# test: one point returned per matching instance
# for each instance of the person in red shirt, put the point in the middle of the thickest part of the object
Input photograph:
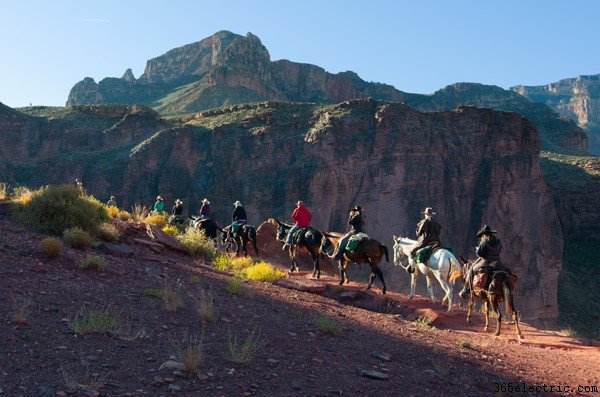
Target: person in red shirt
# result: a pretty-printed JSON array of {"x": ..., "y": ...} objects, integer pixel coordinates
[{"x": 301, "y": 216}]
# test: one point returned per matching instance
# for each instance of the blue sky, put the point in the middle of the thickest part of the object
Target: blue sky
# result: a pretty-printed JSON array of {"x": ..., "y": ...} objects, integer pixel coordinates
[{"x": 418, "y": 46}]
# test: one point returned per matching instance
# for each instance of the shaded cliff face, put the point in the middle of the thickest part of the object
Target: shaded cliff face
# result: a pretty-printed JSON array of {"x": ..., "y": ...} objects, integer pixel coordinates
[
  {"x": 577, "y": 98},
  {"x": 472, "y": 165},
  {"x": 557, "y": 134},
  {"x": 225, "y": 69}
]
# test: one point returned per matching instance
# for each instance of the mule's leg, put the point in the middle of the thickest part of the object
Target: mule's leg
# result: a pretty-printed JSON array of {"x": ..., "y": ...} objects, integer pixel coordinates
[
  {"x": 496, "y": 310},
  {"x": 371, "y": 279},
  {"x": 380, "y": 275},
  {"x": 316, "y": 269},
  {"x": 413, "y": 284},
  {"x": 516, "y": 317},
  {"x": 342, "y": 271},
  {"x": 487, "y": 315},
  {"x": 447, "y": 287},
  {"x": 430, "y": 288},
  {"x": 470, "y": 306}
]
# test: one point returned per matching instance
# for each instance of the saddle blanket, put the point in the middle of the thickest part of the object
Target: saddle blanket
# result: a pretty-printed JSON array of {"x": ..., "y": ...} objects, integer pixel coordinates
[
  {"x": 354, "y": 240},
  {"x": 422, "y": 255}
]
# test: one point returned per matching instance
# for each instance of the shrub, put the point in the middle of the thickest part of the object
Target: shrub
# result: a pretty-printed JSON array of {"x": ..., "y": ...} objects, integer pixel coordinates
[
  {"x": 235, "y": 286},
  {"x": 205, "y": 305},
  {"x": 238, "y": 265},
  {"x": 159, "y": 220},
  {"x": 77, "y": 238},
  {"x": 109, "y": 231},
  {"x": 51, "y": 247},
  {"x": 264, "y": 271},
  {"x": 124, "y": 216},
  {"x": 3, "y": 191},
  {"x": 242, "y": 352},
  {"x": 139, "y": 212},
  {"x": 189, "y": 352},
  {"x": 92, "y": 262},
  {"x": 22, "y": 195},
  {"x": 172, "y": 300},
  {"x": 327, "y": 325},
  {"x": 21, "y": 310},
  {"x": 423, "y": 321},
  {"x": 113, "y": 212},
  {"x": 196, "y": 243},
  {"x": 56, "y": 208},
  {"x": 171, "y": 230},
  {"x": 221, "y": 262},
  {"x": 153, "y": 292},
  {"x": 87, "y": 321}
]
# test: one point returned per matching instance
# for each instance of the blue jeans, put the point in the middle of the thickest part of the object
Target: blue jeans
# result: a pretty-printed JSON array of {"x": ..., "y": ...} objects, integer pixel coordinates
[
  {"x": 342, "y": 245},
  {"x": 288, "y": 240}
]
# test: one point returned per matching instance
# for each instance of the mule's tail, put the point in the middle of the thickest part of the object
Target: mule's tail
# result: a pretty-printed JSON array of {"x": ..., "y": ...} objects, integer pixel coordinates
[
  {"x": 455, "y": 271},
  {"x": 385, "y": 251},
  {"x": 508, "y": 297}
]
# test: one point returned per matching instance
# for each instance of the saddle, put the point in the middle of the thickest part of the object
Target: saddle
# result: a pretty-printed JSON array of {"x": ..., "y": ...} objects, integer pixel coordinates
[
  {"x": 236, "y": 226},
  {"x": 354, "y": 240},
  {"x": 298, "y": 234},
  {"x": 423, "y": 254}
]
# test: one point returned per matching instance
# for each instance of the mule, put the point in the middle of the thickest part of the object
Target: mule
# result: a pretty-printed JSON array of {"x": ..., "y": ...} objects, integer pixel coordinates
[
  {"x": 210, "y": 227},
  {"x": 500, "y": 289},
  {"x": 241, "y": 237},
  {"x": 304, "y": 240},
  {"x": 368, "y": 251},
  {"x": 442, "y": 265}
]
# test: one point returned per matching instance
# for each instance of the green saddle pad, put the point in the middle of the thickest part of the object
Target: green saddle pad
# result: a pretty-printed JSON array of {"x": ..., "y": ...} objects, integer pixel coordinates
[{"x": 422, "y": 253}]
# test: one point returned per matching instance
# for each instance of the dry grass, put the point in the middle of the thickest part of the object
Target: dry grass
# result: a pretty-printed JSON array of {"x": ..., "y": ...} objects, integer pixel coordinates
[
  {"x": 22, "y": 194},
  {"x": 77, "y": 238},
  {"x": 3, "y": 191},
  {"x": 88, "y": 382},
  {"x": 21, "y": 310},
  {"x": 108, "y": 231},
  {"x": 204, "y": 302},
  {"x": 139, "y": 212},
  {"x": 242, "y": 351},
  {"x": 51, "y": 247},
  {"x": 327, "y": 325},
  {"x": 124, "y": 216},
  {"x": 92, "y": 262},
  {"x": 189, "y": 351},
  {"x": 171, "y": 297},
  {"x": 91, "y": 320}
]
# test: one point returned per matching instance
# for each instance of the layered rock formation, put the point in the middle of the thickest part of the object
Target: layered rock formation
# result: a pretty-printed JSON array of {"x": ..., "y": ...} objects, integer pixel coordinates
[
  {"x": 472, "y": 165},
  {"x": 225, "y": 69},
  {"x": 557, "y": 134},
  {"x": 577, "y": 98}
]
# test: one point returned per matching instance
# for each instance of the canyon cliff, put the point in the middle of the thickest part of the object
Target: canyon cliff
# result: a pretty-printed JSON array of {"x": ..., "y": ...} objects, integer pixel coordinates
[
  {"x": 576, "y": 98},
  {"x": 472, "y": 165},
  {"x": 222, "y": 70}
]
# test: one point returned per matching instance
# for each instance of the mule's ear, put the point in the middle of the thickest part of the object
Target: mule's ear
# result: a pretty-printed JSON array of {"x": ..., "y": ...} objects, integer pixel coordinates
[{"x": 395, "y": 238}]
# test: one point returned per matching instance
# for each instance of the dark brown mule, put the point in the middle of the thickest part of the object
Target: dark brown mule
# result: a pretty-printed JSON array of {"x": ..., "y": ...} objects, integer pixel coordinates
[
  {"x": 210, "y": 227},
  {"x": 244, "y": 234},
  {"x": 368, "y": 251},
  {"x": 500, "y": 289},
  {"x": 304, "y": 240}
]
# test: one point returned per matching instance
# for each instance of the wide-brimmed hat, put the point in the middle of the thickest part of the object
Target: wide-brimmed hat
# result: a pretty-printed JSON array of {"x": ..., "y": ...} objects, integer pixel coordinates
[
  {"x": 485, "y": 229},
  {"x": 112, "y": 197},
  {"x": 178, "y": 201},
  {"x": 429, "y": 211},
  {"x": 237, "y": 204},
  {"x": 205, "y": 201},
  {"x": 159, "y": 198},
  {"x": 357, "y": 208},
  {"x": 299, "y": 202}
]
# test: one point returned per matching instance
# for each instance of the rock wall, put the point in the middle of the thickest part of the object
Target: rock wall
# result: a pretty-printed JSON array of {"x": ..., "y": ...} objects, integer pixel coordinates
[{"x": 472, "y": 165}]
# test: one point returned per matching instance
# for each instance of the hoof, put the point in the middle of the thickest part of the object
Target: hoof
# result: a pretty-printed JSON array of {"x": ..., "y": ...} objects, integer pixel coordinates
[
  {"x": 341, "y": 282},
  {"x": 497, "y": 333},
  {"x": 521, "y": 337},
  {"x": 383, "y": 292},
  {"x": 485, "y": 329}
]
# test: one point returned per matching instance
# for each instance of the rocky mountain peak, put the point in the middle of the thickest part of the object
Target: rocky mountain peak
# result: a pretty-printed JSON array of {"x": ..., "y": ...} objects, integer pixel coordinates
[{"x": 128, "y": 76}]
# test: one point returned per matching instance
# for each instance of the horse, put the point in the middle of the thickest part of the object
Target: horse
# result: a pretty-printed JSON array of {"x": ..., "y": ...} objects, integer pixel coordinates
[
  {"x": 304, "y": 240},
  {"x": 500, "y": 289},
  {"x": 241, "y": 237},
  {"x": 441, "y": 264},
  {"x": 368, "y": 251},
  {"x": 210, "y": 227}
]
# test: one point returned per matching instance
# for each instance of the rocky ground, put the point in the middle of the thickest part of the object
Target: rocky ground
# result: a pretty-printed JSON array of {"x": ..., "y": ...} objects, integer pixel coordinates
[{"x": 374, "y": 345}]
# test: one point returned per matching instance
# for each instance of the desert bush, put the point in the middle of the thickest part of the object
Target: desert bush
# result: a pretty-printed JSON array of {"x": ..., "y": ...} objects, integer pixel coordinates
[
  {"x": 263, "y": 271},
  {"x": 51, "y": 247},
  {"x": 243, "y": 351},
  {"x": 196, "y": 243},
  {"x": 327, "y": 325},
  {"x": 22, "y": 194},
  {"x": 113, "y": 211},
  {"x": 92, "y": 262},
  {"x": 171, "y": 230},
  {"x": 221, "y": 262},
  {"x": 56, "y": 208},
  {"x": 158, "y": 220},
  {"x": 238, "y": 265},
  {"x": 108, "y": 231},
  {"x": 21, "y": 310},
  {"x": 95, "y": 320},
  {"x": 77, "y": 238},
  {"x": 3, "y": 191},
  {"x": 235, "y": 286},
  {"x": 423, "y": 321},
  {"x": 139, "y": 212},
  {"x": 124, "y": 216},
  {"x": 189, "y": 351},
  {"x": 171, "y": 297},
  {"x": 204, "y": 302}
]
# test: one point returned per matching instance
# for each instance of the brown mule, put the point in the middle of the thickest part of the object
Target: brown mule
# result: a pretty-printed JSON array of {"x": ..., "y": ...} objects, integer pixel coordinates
[
  {"x": 368, "y": 251},
  {"x": 304, "y": 240},
  {"x": 241, "y": 237}
]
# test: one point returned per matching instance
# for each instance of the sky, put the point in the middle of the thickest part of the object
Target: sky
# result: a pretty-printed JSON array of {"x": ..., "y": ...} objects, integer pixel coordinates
[{"x": 417, "y": 46}]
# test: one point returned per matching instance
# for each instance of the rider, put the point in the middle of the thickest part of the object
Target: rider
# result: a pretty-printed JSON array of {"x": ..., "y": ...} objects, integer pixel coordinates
[
  {"x": 301, "y": 216},
  {"x": 177, "y": 212},
  {"x": 112, "y": 202},
  {"x": 204, "y": 212},
  {"x": 159, "y": 205},
  {"x": 428, "y": 231},
  {"x": 238, "y": 217},
  {"x": 356, "y": 222}
]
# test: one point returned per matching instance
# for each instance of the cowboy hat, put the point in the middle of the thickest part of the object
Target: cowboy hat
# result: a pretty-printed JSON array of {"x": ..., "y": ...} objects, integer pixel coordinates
[
  {"x": 205, "y": 201},
  {"x": 485, "y": 229},
  {"x": 112, "y": 197},
  {"x": 299, "y": 202},
  {"x": 159, "y": 198},
  {"x": 237, "y": 204},
  {"x": 178, "y": 201},
  {"x": 429, "y": 211},
  {"x": 357, "y": 208}
]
